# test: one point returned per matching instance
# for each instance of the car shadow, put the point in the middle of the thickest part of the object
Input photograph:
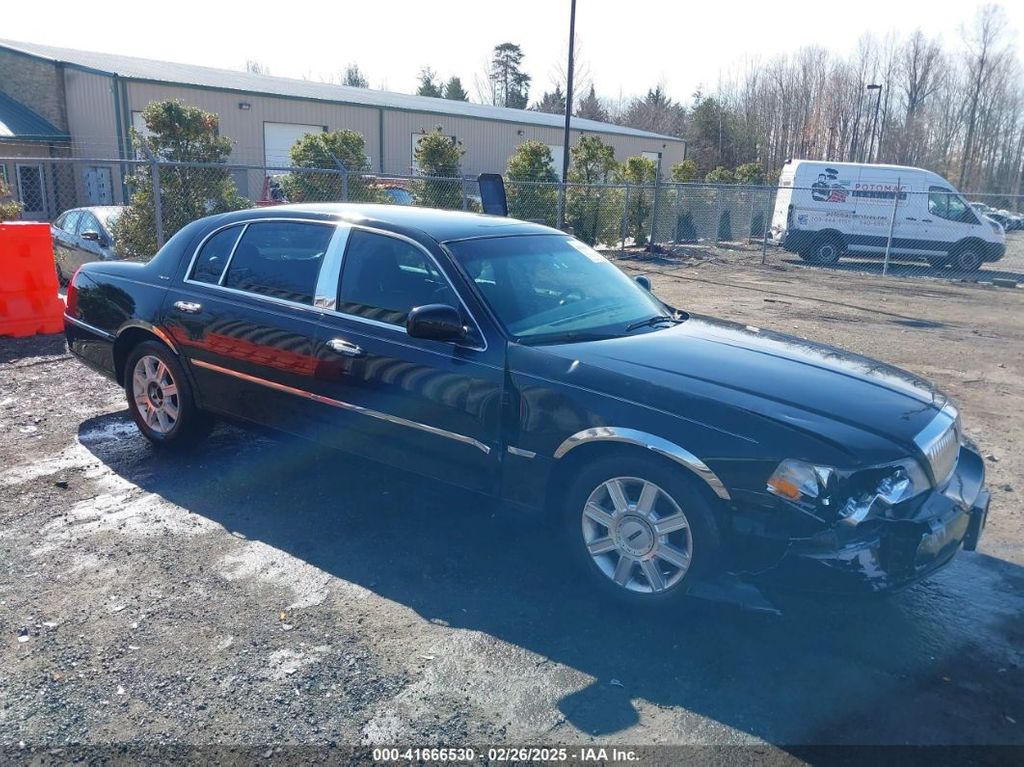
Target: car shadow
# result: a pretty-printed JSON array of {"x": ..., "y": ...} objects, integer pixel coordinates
[{"x": 827, "y": 671}]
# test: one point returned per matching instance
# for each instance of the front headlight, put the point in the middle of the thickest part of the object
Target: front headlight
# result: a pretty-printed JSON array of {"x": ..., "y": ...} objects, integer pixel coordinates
[
  {"x": 854, "y": 495},
  {"x": 801, "y": 481},
  {"x": 899, "y": 483}
]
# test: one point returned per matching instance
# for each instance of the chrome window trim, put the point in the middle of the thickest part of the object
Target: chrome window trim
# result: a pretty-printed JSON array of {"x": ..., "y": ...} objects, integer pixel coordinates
[
  {"x": 401, "y": 328},
  {"x": 513, "y": 450},
  {"x": 325, "y": 296},
  {"x": 394, "y": 419},
  {"x": 231, "y": 254},
  {"x": 651, "y": 442}
]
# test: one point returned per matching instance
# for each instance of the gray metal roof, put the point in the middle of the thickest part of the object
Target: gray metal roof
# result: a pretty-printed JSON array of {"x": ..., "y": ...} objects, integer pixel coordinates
[
  {"x": 189, "y": 74},
  {"x": 19, "y": 122}
]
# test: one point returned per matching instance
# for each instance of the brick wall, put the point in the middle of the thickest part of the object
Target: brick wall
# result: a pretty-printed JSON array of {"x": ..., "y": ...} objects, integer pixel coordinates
[{"x": 37, "y": 84}]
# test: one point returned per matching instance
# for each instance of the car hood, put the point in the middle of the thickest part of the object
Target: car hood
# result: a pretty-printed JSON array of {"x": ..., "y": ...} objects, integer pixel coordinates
[{"x": 771, "y": 374}]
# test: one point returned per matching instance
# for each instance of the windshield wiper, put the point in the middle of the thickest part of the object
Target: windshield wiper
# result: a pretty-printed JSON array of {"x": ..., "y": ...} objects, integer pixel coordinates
[{"x": 652, "y": 321}]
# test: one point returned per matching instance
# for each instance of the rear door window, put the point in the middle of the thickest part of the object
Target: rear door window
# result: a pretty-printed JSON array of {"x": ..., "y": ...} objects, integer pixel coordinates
[{"x": 279, "y": 259}]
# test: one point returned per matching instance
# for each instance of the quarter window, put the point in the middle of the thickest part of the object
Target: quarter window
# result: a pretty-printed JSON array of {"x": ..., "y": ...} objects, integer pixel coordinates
[
  {"x": 214, "y": 256},
  {"x": 383, "y": 278},
  {"x": 280, "y": 259}
]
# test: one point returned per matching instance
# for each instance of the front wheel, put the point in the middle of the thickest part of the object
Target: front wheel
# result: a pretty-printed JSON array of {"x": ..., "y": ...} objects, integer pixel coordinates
[
  {"x": 967, "y": 259},
  {"x": 160, "y": 398},
  {"x": 640, "y": 528}
]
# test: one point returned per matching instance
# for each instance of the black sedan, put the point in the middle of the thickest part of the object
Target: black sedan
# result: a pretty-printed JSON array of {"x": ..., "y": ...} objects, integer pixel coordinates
[{"x": 513, "y": 360}]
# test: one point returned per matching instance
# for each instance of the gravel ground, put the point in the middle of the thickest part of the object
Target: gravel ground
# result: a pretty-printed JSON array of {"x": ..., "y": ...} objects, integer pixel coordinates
[{"x": 260, "y": 590}]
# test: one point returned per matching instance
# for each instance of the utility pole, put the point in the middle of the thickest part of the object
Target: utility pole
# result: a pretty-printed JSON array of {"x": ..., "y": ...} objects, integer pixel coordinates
[
  {"x": 568, "y": 115},
  {"x": 874, "y": 120}
]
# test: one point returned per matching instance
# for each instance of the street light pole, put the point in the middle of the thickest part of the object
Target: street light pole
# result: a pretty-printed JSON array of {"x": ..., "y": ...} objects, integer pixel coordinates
[
  {"x": 874, "y": 120},
  {"x": 568, "y": 115}
]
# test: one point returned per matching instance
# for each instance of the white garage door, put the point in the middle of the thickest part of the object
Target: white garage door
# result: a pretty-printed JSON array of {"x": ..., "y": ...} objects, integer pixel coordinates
[{"x": 279, "y": 138}]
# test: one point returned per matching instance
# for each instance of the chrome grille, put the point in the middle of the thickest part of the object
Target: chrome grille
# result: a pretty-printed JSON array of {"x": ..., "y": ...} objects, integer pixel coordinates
[{"x": 940, "y": 443}]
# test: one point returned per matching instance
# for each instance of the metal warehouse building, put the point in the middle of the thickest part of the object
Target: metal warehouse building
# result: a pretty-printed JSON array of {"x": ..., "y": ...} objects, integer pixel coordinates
[{"x": 58, "y": 102}]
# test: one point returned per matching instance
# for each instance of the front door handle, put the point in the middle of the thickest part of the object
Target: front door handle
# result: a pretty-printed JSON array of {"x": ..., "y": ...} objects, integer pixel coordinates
[
  {"x": 188, "y": 307},
  {"x": 926, "y": 220},
  {"x": 911, "y": 219},
  {"x": 341, "y": 346}
]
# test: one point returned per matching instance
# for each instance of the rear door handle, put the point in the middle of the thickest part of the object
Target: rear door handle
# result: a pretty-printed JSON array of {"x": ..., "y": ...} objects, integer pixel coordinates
[
  {"x": 341, "y": 346},
  {"x": 926, "y": 220},
  {"x": 188, "y": 307}
]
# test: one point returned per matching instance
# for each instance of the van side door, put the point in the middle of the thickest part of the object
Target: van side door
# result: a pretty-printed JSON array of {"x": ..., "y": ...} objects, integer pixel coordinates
[{"x": 875, "y": 194}]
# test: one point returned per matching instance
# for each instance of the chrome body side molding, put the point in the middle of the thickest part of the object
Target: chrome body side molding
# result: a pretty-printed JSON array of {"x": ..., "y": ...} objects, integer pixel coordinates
[
  {"x": 651, "y": 442},
  {"x": 485, "y": 449}
]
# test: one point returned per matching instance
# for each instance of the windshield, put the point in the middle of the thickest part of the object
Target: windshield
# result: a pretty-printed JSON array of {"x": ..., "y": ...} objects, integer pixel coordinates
[{"x": 549, "y": 288}]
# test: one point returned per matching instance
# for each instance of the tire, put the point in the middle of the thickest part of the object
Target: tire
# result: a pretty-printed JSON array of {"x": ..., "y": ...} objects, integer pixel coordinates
[
  {"x": 966, "y": 258},
  {"x": 160, "y": 397},
  {"x": 826, "y": 250},
  {"x": 632, "y": 562},
  {"x": 61, "y": 279}
]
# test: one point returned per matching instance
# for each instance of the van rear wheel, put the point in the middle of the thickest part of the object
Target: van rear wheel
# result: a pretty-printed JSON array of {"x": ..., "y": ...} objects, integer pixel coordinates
[{"x": 826, "y": 250}]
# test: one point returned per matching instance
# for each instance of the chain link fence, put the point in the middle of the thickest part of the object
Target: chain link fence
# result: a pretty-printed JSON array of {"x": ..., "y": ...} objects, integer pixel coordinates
[{"x": 906, "y": 234}]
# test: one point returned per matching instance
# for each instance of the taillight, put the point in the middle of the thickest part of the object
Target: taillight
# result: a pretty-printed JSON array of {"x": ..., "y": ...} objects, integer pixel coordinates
[
  {"x": 789, "y": 217},
  {"x": 72, "y": 300}
]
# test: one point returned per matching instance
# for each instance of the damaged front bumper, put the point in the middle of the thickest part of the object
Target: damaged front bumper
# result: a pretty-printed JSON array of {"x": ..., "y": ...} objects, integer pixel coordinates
[{"x": 887, "y": 553}]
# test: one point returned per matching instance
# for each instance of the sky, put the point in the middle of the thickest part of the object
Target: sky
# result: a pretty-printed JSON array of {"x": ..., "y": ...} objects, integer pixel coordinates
[{"x": 626, "y": 47}]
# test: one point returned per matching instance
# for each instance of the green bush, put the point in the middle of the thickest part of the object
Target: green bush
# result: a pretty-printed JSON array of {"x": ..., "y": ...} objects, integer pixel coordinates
[
  {"x": 686, "y": 230},
  {"x": 757, "y": 224},
  {"x": 725, "y": 226},
  {"x": 10, "y": 209},
  {"x": 685, "y": 171},
  {"x": 640, "y": 173},
  {"x": 438, "y": 157},
  {"x": 749, "y": 173},
  {"x": 530, "y": 179},
  {"x": 319, "y": 150},
  {"x": 176, "y": 133},
  {"x": 594, "y": 212},
  {"x": 720, "y": 175}
]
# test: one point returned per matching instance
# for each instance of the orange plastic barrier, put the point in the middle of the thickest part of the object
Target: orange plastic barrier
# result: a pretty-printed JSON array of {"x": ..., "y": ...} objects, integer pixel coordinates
[{"x": 29, "y": 303}]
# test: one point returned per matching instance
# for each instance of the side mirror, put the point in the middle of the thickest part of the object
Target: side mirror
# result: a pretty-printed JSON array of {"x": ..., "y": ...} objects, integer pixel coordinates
[
  {"x": 91, "y": 235},
  {"x": 438, "y": 322},
  {"x": 643, "y": 281}
]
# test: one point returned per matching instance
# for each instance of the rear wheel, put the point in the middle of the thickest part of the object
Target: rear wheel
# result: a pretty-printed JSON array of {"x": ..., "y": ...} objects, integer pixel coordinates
[
  {"x": 160, "y": 398},
  {"x": 826, "y": 250},
  {"x": 639, "y": 528}
]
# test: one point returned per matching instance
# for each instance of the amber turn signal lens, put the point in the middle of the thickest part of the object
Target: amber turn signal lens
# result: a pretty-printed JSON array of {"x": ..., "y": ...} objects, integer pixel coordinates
[{"x": 785, "y": 488}]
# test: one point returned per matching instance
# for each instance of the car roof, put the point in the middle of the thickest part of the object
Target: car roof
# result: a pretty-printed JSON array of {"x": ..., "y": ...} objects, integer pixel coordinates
[{"x": 439, "y": 225}]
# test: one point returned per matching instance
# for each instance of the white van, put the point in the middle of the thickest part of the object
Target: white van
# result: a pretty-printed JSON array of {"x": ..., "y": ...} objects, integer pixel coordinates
[{"x": 826, "y": 209}]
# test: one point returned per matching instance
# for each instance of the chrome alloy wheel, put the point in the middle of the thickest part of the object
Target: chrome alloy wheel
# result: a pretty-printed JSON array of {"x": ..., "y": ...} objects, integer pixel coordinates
[
  {"x": 156, "y": 394},
  {"x": 637, "y": 535}
]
